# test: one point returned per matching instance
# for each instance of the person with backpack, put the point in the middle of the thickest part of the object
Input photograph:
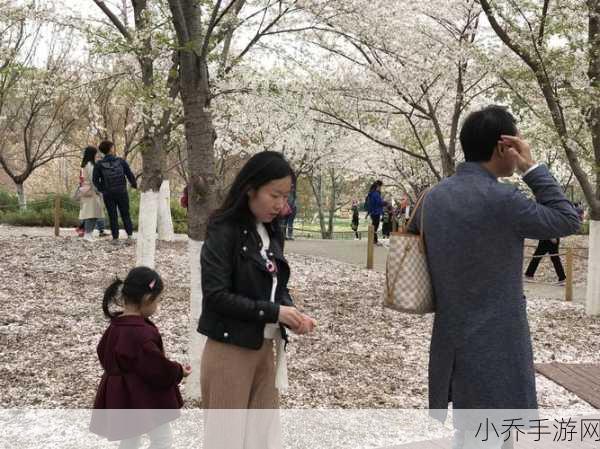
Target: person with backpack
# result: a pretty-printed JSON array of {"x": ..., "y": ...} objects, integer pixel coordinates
[
  {"x": 374, "y": 205},
  {"x": 110, "y": 178}
]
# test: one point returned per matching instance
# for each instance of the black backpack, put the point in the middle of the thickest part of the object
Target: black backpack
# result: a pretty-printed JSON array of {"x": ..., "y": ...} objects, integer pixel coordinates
[{"x": 113, "y": 175}]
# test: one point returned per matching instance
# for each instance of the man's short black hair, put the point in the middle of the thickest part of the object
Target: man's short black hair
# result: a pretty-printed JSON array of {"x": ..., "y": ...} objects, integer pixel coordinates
[
  {"x": 482, "y": 129},
  {"x": 105, "y": 146}
]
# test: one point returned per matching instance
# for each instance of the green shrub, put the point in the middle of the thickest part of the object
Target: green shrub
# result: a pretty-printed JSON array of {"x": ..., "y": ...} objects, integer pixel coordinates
[
  {"x": 179, "y": 215},
  {"x": 585, "y": 228},
  {"x": 40, "y": 212},
  {"x": 43, "y": 217},
  {"x": 8, "y": 201}
]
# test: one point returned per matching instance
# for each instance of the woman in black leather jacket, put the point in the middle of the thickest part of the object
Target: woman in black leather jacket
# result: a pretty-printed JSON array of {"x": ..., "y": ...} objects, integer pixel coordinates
[{"x": 246, "y": 304}]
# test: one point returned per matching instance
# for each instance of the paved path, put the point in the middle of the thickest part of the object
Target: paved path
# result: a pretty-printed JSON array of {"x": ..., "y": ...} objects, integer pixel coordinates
[
  {"x": 355, "y": 252},
  {"x": 348, "y": 251}
]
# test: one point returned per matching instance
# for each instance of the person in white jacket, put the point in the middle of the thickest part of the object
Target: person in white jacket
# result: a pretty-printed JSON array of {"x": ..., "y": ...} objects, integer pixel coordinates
[{"x": 90, "y": 209}]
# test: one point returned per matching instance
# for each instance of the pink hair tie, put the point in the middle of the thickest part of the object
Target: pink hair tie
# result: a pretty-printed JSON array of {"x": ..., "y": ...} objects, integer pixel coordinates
[{"x": 152, "y": 284}]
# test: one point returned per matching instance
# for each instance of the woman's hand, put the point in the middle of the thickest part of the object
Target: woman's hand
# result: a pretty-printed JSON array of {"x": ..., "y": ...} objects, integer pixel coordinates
[
  {"x": 290, "y": 316},
  {"x": 307, "y": 326},
  {"x": 187, "y": 370}
]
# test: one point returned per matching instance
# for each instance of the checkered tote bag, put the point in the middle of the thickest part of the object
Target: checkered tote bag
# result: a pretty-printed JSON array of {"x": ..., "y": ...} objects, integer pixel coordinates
[{"x": 408, "y": 284}]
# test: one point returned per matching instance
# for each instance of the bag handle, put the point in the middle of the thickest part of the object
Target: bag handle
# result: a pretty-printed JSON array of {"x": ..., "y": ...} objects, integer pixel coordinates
[{"x": 422, "y": 220}]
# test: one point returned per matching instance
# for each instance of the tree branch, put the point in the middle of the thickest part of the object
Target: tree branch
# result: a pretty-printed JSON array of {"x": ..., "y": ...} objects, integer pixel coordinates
[
  {"x": 114, "y": 19},
  {"x": 347, "y": 125},
  {"x": 540, "y": 40}
]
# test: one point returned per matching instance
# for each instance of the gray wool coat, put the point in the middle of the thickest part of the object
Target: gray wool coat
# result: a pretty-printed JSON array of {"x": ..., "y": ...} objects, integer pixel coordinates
[{"x": 481, "y": 354}]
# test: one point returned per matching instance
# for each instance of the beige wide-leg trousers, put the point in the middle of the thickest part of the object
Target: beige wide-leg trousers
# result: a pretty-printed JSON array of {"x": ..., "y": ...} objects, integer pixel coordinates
[{"x": 239, "y": 397}]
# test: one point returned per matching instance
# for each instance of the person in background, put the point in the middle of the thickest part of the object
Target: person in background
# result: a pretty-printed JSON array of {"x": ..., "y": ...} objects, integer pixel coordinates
[
  {"x": 397, "y": 214},
  {"x": 374, "y": 204},
  {"x": 293, "y": 210},
  {"x": 405, "y": 211},
  {"x": 184, "y": 200},
  {"x": 100, "y": 226},
  {"x": 110, "y": 178},
  {"x": 387, "y": 221},
  {"x": 355, "y": 219},
  {"x": 90, "y": 206},
  {"x": 549, "y": 246},
  {"x": 580, "y": 211}
]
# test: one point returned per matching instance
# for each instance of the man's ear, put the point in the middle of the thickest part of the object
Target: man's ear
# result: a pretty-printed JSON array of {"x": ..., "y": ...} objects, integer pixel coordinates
[{"x": 500, "y": 150}]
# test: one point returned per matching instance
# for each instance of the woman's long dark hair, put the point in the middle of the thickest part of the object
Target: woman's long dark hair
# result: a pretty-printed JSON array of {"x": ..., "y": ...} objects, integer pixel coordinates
[
  {"x": 375, "y": 185},
  {"x": 89, "y": 155},
  {"x": 260, "y": 169}
]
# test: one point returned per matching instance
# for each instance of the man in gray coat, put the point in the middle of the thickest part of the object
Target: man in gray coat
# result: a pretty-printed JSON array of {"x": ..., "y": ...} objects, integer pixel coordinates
[{"x": 474, "y": 226}]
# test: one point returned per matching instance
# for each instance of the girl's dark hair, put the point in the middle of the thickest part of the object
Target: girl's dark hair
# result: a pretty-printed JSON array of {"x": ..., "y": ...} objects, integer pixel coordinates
[
  {"x": 375, "y": 185},
  {"x": 89, "y": 155},
  {"x": 140, "y": 282},
  {"x": 260, "y": 169}
]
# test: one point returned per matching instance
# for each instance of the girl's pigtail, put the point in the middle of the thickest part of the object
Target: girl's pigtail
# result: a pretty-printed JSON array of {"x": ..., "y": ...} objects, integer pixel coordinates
[{"x": 110, "y": 296}]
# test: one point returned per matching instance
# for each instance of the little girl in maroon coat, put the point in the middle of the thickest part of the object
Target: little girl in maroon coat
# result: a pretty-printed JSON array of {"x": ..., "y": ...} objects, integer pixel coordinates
[{"x": 139, "y": 390}]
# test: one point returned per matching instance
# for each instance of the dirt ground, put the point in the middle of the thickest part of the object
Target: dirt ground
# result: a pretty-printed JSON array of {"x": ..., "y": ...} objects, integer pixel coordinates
[{"x": 361, "y": 356}]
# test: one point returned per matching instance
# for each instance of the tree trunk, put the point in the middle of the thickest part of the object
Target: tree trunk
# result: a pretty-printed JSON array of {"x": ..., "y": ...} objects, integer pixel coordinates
[
  {"x": 166, "y": 231},
  {"x": 200, "y": 137},
  {"x": 593, "y": 276},
  {"x": 21, "y": 196},
  {"x": 146, "y": 241},
  {"x": 152, "y": 156},
  {"x": 196, "y": 340},
  {"x": 153, "y": 143},
  {"x": 330, "y": 222},
  {"x": 332, "y": 201},
  {"x": 316, "y": 184}
]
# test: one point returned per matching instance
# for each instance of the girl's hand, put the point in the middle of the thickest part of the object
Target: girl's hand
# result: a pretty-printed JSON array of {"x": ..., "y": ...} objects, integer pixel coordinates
[{"x": 187, "y": 370}]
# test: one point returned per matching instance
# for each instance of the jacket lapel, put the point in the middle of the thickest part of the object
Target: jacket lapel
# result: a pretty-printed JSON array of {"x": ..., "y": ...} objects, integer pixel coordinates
[{"x": 251, "y": 247}]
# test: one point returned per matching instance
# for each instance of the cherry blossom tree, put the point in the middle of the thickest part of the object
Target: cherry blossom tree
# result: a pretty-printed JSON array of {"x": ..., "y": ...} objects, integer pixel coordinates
[
  {"x": 211, "y": 45},
  {"x": 561, "y": 48},
  {"x": 407, "y": 75},
  {"x": 39, "y": 97},
  {"x": 146, "y": 49}
]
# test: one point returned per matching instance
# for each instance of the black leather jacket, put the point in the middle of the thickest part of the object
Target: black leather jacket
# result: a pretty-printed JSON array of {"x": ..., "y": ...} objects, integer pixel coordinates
[{"x": 236, "y": 284}]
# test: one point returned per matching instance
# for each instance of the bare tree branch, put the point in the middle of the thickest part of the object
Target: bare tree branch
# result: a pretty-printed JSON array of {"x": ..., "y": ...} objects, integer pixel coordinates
[{"x": 114, "y": 19}]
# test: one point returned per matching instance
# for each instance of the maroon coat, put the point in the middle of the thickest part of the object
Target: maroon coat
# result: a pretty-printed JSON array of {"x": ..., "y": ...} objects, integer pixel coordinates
[{"x": 137, "y": 375}]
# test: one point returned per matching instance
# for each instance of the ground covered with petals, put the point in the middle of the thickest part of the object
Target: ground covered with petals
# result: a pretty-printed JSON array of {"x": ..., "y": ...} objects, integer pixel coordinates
[{"x": 361, "y": 355}]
